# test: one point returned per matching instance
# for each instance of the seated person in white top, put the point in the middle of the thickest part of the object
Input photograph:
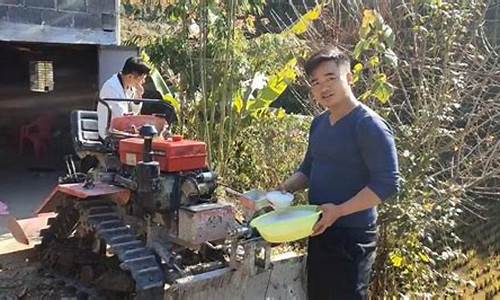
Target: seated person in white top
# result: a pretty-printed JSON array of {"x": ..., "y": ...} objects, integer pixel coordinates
[{"x": 124, "y": 85}]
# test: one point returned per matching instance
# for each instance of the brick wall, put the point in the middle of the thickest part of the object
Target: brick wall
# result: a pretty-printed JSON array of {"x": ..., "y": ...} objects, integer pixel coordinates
[{"x": 77, "y": 14}]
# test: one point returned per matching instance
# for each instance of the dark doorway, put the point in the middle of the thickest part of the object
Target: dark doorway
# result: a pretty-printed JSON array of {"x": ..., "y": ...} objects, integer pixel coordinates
[{"x": 40, "y": 84}]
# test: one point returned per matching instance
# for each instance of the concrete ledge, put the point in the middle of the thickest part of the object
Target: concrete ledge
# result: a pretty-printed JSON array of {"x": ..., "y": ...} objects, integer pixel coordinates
[{"x": 31, "y": 227}]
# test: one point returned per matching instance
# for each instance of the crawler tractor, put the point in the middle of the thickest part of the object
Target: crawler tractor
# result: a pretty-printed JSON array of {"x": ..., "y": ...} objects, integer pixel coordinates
[{"x": 146, "y": 223}]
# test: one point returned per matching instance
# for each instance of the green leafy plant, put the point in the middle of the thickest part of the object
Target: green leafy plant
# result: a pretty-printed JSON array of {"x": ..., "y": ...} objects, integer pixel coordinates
[
  {"x": 222, "y": 82},
  {"x": 426, "y": 66}
]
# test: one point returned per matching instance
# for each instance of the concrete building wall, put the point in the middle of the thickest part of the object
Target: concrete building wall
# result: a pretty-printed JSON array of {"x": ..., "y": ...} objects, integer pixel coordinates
[{"x": 60, "y": 21}]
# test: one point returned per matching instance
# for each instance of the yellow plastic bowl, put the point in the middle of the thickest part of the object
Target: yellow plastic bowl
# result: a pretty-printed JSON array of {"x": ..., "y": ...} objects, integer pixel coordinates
[{"x": 288, "y": 224}]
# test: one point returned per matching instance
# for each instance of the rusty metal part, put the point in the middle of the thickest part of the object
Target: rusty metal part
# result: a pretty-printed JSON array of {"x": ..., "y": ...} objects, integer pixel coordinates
[{"x": 205, "y": 222}]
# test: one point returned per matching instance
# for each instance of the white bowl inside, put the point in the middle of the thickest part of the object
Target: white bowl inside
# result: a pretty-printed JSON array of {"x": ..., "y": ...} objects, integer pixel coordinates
[{"x": 279, "y": 199}]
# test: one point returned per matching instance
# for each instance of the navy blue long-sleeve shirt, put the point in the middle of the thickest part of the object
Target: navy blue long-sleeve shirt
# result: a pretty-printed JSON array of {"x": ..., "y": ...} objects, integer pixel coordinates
[{"x": 357, "y": 151}]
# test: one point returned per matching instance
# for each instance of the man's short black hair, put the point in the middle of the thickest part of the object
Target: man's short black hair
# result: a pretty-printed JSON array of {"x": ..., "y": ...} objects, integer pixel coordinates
[
  {"x": 326, "y": 54},
  {"x": 136, "y": 66}
]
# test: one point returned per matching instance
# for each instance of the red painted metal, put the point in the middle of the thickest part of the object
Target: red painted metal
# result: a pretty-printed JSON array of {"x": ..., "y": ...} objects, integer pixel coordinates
[
  {"x": 173, "y": 155},
  {"x": 76, "y": 191},
  {"x": 131, "y": 124}
]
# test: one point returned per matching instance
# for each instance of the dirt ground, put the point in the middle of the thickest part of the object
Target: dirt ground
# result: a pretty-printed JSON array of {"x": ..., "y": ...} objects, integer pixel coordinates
[
  {"x": 20, "y": 274},
  {"x": 21, "y": 278}
]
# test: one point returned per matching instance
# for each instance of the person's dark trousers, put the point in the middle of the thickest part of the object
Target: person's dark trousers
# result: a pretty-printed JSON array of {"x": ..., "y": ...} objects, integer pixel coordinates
[{"x": 339, "y": 263}]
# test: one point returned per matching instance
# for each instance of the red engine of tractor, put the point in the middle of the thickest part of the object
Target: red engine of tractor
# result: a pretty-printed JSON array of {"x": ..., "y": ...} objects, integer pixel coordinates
[{"x": 173, "y": 155}]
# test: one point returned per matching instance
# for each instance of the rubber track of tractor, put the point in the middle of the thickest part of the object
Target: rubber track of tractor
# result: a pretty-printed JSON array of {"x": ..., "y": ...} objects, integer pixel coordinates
[
  {"x": 140, "y": 261},
  {"x": 102, "y": 217}
]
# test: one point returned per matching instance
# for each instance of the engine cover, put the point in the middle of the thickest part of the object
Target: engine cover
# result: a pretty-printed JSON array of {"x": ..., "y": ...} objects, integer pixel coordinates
[{"x": 173, "y": 155}]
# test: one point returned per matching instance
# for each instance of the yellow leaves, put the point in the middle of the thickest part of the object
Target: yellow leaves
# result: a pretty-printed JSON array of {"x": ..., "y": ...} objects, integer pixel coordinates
[
  {"x": 374, "y": 62},
  {"x": 300, "y": 27},
  {"x": 424, "y": 257},
  {"x": 428, "y": 207},
  {"x": 370, "y": 18},
  {"x": 281, "y": 114},
  {"x": 285, "y": 76},
  {"x": 303, "y": 24},
  {"x": 409, "y": 261},
  {"x": 356, "y": 72},
  {"x": 175, "y": 103},
  {"x": 381, "y": 89},
  {"x": 313, "y": 14},
  {"x": 376, "y": 40},
  {"x": 396, "y": 259},
  {"x": 250, "y": 24},
  {"x": 438, "y": 3},
  {"x": 383, "y": 92},
  {"x": 238, "y": 103},
  {"x": 278, "y": 83}
]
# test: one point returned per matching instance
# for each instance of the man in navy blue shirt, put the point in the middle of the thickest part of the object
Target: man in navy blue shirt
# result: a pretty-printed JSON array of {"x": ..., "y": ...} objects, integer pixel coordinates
[{"x": 350, "y": 167}]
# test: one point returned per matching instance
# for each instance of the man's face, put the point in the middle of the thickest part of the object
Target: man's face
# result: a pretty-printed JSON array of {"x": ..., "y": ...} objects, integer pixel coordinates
[
  {"x": 136, "y": 80},
  {"x": 140, "y": 79},
  {"x": 330, "y": 85}
]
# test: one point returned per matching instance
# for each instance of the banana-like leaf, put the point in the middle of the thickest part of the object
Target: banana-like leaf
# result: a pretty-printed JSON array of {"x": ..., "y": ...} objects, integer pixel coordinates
[
  {"x": 305, "y": 21},
  {"x": 238, "y": 102},
  {"x": 160, "y": 83},
  {"x": 277, "y": 84}
]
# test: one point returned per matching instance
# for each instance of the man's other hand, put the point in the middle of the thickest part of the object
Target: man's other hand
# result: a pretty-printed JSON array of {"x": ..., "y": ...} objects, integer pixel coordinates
[
  {"x": 330, "y": 214},
  {"x": 138, "y": 91}
]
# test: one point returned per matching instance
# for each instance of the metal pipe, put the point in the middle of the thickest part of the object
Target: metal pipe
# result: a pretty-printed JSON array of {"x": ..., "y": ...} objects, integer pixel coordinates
[
  {"x": 204, "y": 268},
  {"x": 142, "y": 100},
  {"x": 218, "y": 247},
  {"x": 148, "y": 150},
  {"x": 125, "y": 182}
]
